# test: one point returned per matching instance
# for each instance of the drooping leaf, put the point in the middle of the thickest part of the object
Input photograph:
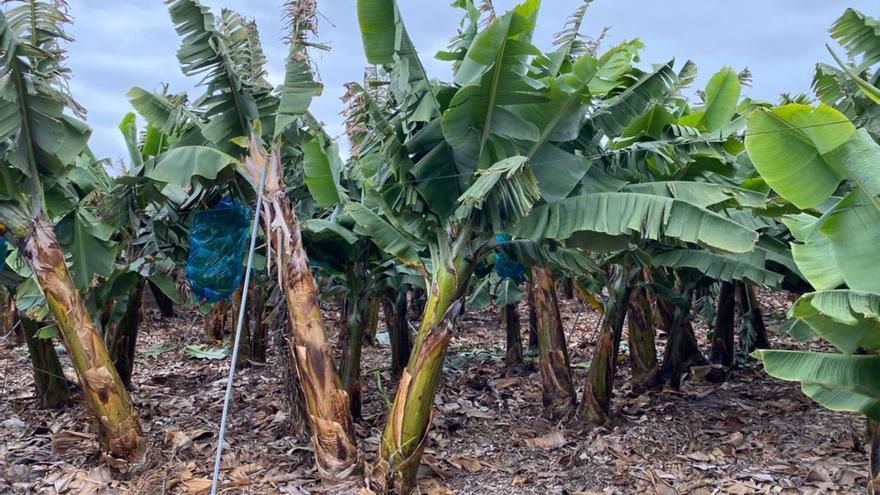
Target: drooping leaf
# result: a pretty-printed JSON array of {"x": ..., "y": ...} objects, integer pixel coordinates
[
  {"x": 701, "y": 194},
  {"x": 849, "y": 320},
  {"x": 87, "y": 240},
  {"x": 837, "y": 381},
  {"x": 859, "y": 34},
  {"x": 852, "y": 228},
  {"x": 744, "y": 267},
  {"x": 182, "y": 165},
  {"x": 383, "y": 234},
  {"x": 636, "y": 215},
  {"x": 502, "y": 193}
]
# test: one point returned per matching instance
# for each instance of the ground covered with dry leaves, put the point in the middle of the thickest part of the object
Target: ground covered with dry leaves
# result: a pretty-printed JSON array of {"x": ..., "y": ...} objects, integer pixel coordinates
[{"x": 751, "y": 434}]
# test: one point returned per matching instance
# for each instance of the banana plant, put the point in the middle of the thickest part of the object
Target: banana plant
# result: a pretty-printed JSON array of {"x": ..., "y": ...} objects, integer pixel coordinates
[
  {"x": 834, "y": 233},
  {"x": 241, "y": 114},
  {"x": 503, "y": 137},
  {"x": 346, "y": 257},
  {"x": 646, "y": 160},
  {"x": 41, "y": 135}
]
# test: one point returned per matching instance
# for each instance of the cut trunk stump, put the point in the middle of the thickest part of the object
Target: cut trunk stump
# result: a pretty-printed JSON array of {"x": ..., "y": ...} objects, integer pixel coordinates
[{"x": 215, "y": 322}]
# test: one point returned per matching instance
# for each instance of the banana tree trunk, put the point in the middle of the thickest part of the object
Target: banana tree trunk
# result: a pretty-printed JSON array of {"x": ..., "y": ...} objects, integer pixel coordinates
[
  {"x": 122, "y": 336},
  {"x": 327, "y": 402},
  {"x": 394, "y": 308},
  {"x": 12, "y": 334},
  {"x": 533, "y": 318},
  {"x": 406, "y": 429},
  {"x": 119, "y": 428},
  {"x": 352, "y": 343},
  {"x": 513, "y": 359},
  {"x": 244, "y": 343},
  {"x": 553, "y": 363},
  {"x": 372, "y": 320},
  {"x": 750, "y": 309},
  {"x": 640, "y": 335},
  {"x": 682, "y": 350},
  {"x": 567, "y": 287},
  {"x": 257, "y": 303},
  {"x": 163, "y": 302},
  {"x": 722, "y": 334},
  {"x": 215, "y": 322},
  {"x": 596, "y": 402},
  {"x": 294, "y": 398},
  {"x": 50, "y": 385},
  {"x": 874, "y": 458}
]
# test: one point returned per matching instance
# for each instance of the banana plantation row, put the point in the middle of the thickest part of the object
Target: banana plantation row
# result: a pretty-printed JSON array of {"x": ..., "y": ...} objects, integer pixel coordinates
[{"x": 577, "y": 165}]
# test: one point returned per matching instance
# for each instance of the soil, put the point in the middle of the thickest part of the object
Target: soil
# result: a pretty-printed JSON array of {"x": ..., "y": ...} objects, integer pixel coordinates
[{"x": 750, "y": 434}]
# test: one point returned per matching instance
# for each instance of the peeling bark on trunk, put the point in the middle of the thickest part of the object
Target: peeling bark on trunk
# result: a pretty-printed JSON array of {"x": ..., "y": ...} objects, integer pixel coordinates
[
  {"x": 119, "y": 428},
  {"x": 596, "y": 402},
  {"x": 513, "y": 359},
  {"x": 50, "y": 386},
  {"x": 122, "y": 336},
  {"x": 556, "y": 384},
  {"x": 750, "y": 309},
  {"x": 640, "y": 335},
  {"x": 215, "y": 322},
  {"x": 244, "y": 343},
  {"x": 722, "y": 334},
  {"x": 394, "y": 308},
  {"x": 327, "y": 403},
  {"x": 163, "y": 302}
]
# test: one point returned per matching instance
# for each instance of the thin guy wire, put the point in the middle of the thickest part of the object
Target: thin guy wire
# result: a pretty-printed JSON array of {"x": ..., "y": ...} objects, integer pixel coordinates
[{"x": 215, "y": 480}]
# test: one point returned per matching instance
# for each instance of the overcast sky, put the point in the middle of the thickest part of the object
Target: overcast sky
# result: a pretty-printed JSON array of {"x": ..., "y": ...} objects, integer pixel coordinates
[{"x": 125, "y": 43}]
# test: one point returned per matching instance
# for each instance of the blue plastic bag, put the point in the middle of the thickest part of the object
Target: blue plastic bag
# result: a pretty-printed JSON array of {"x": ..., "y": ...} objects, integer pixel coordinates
[
  {"x": 506, "y": 267},
  {"x": 4, "y": 251},
  {"x": 216, "y": 248}
]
